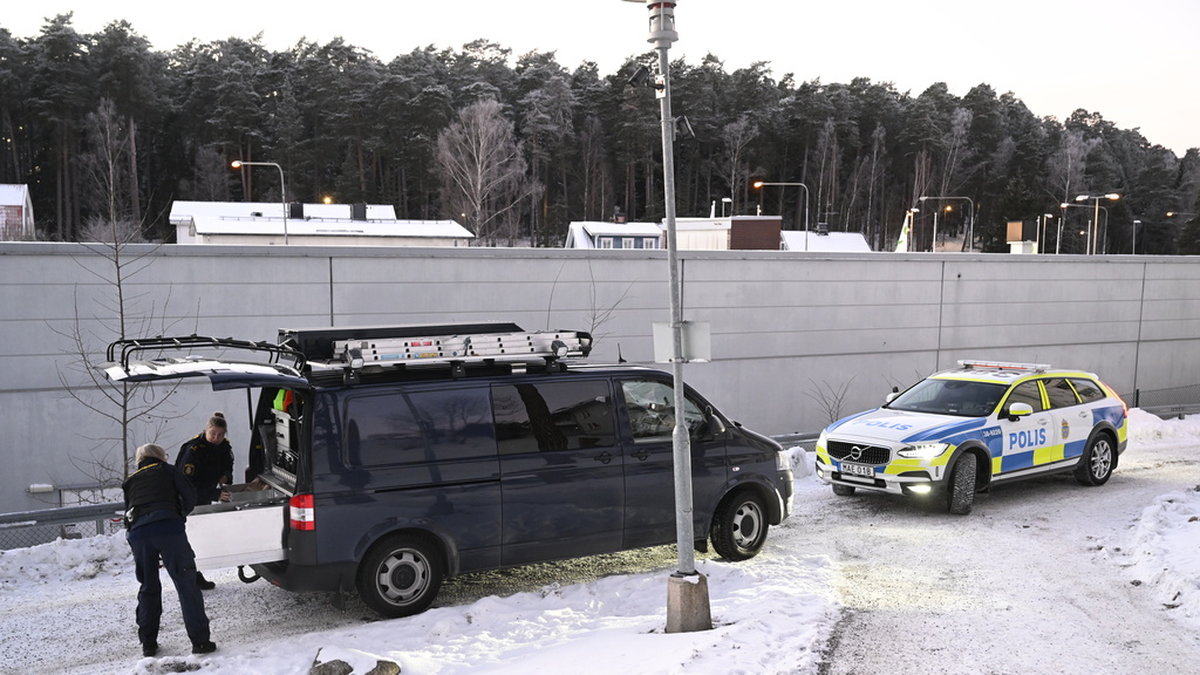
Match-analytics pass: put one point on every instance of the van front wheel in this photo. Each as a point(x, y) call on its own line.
point(400, 576)
point(739, 527)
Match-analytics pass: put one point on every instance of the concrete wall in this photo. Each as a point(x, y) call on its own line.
point(796, 337)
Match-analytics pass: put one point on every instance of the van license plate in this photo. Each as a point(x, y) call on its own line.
point(859, 470)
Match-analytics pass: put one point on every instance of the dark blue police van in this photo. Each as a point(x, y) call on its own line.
point(385, 459)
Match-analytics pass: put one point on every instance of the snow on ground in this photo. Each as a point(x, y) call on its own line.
point(68, 606)
point(1165, 549)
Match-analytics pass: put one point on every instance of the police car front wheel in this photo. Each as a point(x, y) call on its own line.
point(843, 490)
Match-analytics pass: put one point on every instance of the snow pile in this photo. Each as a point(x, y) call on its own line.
point(65, 560)
point(1164, 548)
point(1165, 553)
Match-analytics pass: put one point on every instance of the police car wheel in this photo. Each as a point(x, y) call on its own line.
point(400, 576)
point(843, 490)
point(1096, 465)
point(739, 527)
point(962, 486)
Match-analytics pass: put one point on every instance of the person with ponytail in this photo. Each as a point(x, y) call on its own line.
point(207, 461)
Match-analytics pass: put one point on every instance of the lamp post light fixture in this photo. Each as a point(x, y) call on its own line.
point(759, 185)
point(1095, 230)
point(688, 606)
point(238, 164)
point(970, 242)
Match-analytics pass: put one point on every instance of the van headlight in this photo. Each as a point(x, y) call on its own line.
point(923, 450)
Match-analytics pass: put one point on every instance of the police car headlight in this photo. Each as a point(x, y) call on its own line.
point(923, 450)
point(821, 440)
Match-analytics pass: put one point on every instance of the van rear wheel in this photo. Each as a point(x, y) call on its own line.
point(400, 576)
point(739, 527)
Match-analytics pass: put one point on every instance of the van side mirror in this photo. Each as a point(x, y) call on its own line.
point(1018, 410)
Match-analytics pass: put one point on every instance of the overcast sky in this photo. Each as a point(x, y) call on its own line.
point(1133, 62)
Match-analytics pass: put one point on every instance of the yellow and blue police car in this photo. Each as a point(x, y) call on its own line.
point(986, 422)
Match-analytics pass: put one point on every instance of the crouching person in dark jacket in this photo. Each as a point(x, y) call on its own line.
point(157, 499)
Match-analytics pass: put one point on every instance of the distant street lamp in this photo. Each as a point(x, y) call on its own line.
point(970, 242)
point(1043, 222)
point(758, 185)
point(1112, 196)
point(238, 164)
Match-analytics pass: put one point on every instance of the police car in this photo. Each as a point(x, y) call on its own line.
point(986, 422)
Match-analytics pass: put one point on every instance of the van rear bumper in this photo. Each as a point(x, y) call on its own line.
point(292, 577)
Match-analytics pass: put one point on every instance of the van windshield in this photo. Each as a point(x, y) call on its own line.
point(950, 397)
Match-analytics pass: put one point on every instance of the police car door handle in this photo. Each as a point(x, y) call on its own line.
point(604, 457)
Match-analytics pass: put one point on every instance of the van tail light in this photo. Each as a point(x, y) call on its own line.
point(301, 507)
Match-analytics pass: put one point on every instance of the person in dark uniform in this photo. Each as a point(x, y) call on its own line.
point(157, 500)
point(207, 461)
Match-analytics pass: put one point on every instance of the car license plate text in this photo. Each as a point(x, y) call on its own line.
point(858, 470)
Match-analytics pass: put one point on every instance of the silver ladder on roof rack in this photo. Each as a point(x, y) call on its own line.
point(541, 347)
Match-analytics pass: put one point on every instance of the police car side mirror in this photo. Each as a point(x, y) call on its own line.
point(1018, 410)
point(890, 397)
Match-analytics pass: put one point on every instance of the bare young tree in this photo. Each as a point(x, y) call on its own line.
point(829, 398)
point(737, 136)
point(104, 165)
point(484, 171)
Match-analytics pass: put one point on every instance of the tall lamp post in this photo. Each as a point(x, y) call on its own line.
point(758, 185)
point(1094, 232)
point(238, 164)
point(687, 590)
point(970, 218)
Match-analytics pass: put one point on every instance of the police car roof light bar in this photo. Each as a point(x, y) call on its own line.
point(1003, 365)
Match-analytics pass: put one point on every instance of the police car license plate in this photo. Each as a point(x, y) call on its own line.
point(858, 470)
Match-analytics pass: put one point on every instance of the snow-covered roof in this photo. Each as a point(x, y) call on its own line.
point(583, 233)
point(14, 195)
point(832, 242)
point(333, 220)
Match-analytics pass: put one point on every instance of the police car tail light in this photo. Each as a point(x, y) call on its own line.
point(922, 450)
point(301, 507)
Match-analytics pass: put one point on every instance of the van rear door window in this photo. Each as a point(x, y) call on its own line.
point(549, 416)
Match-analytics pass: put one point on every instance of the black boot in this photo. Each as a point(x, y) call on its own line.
point(149, 648)
point(206, 647)
point(202, 583)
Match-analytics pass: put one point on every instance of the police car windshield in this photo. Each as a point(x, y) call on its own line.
point(950, 397)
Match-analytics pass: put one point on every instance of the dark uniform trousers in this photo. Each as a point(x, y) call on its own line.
point(168, 540)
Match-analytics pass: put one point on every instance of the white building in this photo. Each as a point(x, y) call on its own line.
point(16, 213)
point(267, 223)
point(832, 241)
point(599, 234)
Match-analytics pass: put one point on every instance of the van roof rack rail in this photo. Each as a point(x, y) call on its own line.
point(130, 347)
point(454, 345)
point(1003, 365)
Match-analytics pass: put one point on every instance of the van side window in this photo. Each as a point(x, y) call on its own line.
point(381, 430)
point(457, 422)
point(1027, 392)
point(651, 409)
point(393, 428)
point(549, 416)
point(1060, 392)
point(1088, 391)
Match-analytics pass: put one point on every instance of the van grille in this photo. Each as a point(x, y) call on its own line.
point(866, 454)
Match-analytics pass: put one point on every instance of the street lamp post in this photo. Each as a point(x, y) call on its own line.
point(238, 164)
point(1044, 222)
point(758, 185)
point(688, 607)
point(970, 242)
point(1094, 232)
